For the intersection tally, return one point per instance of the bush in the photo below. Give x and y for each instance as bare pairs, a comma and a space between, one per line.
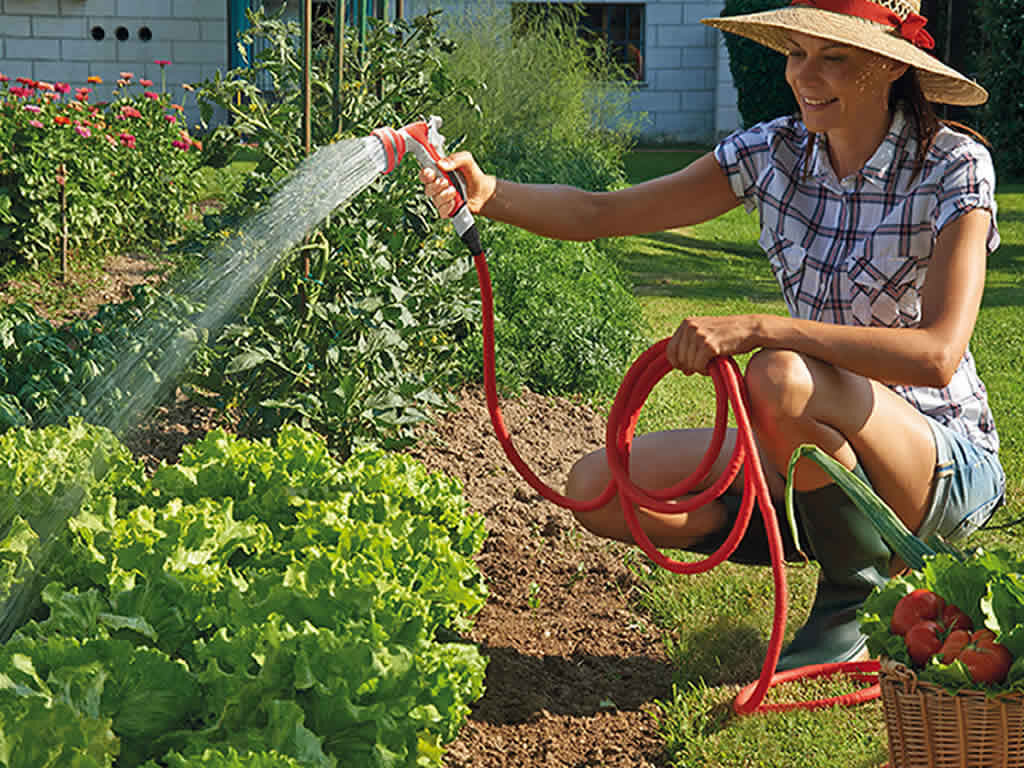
1001, 70
759, 73
550, 106
564, 321
130, 169
354, 335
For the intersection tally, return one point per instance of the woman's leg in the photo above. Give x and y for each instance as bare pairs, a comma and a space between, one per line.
796, 399
659, 460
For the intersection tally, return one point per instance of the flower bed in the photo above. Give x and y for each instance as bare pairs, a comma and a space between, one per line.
127, 167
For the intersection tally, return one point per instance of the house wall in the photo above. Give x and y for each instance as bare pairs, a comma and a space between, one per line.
688, 95
52, 40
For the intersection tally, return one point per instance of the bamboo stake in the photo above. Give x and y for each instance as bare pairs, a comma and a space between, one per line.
62, 181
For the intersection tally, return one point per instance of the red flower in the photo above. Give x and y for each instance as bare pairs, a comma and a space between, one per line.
61, 120
127, 140
153, 96
162, 62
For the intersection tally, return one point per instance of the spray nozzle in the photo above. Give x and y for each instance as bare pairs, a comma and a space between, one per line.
426, 143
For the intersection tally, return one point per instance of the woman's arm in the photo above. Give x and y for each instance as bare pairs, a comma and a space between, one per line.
923, 356
693, 194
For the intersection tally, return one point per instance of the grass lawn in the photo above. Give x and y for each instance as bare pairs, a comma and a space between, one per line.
716, 626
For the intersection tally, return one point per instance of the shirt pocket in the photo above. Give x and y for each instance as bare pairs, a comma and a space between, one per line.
884, 286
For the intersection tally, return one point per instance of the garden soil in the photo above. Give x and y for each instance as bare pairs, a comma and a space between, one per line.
574, 670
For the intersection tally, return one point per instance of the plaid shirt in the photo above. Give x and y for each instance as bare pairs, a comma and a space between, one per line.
855, 251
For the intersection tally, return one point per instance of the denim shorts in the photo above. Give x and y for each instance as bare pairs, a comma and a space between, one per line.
968, 486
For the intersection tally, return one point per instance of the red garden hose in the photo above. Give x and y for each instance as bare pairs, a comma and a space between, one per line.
641, 378
385, 148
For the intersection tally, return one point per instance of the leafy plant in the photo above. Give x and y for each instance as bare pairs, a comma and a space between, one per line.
1000, 59
759, 73
255, 604
548, 106
571, 296
355, 335
92, 367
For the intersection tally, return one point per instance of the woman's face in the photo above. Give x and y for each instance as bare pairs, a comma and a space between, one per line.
838, 87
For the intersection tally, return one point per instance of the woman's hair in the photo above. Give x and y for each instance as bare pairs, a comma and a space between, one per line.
927, 123
907, 89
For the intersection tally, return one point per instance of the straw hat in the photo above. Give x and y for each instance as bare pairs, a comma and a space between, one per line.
891, 28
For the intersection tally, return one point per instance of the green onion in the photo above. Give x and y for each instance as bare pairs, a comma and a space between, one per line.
905, 544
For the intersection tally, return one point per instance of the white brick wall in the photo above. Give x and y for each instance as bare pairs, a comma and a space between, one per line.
688, 94
53, 40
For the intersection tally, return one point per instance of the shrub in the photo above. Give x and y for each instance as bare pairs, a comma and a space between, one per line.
354, 335
550, 106
759, 73
130, 169
1001, 70
564, 321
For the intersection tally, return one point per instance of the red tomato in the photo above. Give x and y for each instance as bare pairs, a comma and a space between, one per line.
954, 618
924, 640
986, 660
919, 605
955, 643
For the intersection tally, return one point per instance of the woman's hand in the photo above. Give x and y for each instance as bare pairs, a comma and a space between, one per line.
698, 340
479, 186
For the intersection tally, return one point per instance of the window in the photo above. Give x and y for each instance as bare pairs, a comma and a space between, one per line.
619, 25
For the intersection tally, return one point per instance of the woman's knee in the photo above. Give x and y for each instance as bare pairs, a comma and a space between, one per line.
779, 384
588, 477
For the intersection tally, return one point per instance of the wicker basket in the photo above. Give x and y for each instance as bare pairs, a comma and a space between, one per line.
930, 728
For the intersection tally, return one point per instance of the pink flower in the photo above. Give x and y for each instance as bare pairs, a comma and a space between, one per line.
82, 131
182, 145
153, 96
162, 62
34, 108
170, 118
35, 123
130, 112
127, 75
63, 88
145, 83
19, 92
127, 140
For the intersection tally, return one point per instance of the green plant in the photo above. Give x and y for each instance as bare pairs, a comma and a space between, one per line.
355, 335
91, 367
758, 72
571, 296
128, 169
256, 603
550, 106
1000, 69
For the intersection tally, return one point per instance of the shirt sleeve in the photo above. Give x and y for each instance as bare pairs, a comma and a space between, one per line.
968, 184
743, 156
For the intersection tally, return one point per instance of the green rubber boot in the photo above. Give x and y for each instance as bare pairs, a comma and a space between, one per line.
854, 560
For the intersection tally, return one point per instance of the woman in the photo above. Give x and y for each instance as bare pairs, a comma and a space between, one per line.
877, 220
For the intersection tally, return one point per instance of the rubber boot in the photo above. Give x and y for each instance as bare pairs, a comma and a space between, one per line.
854, 560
